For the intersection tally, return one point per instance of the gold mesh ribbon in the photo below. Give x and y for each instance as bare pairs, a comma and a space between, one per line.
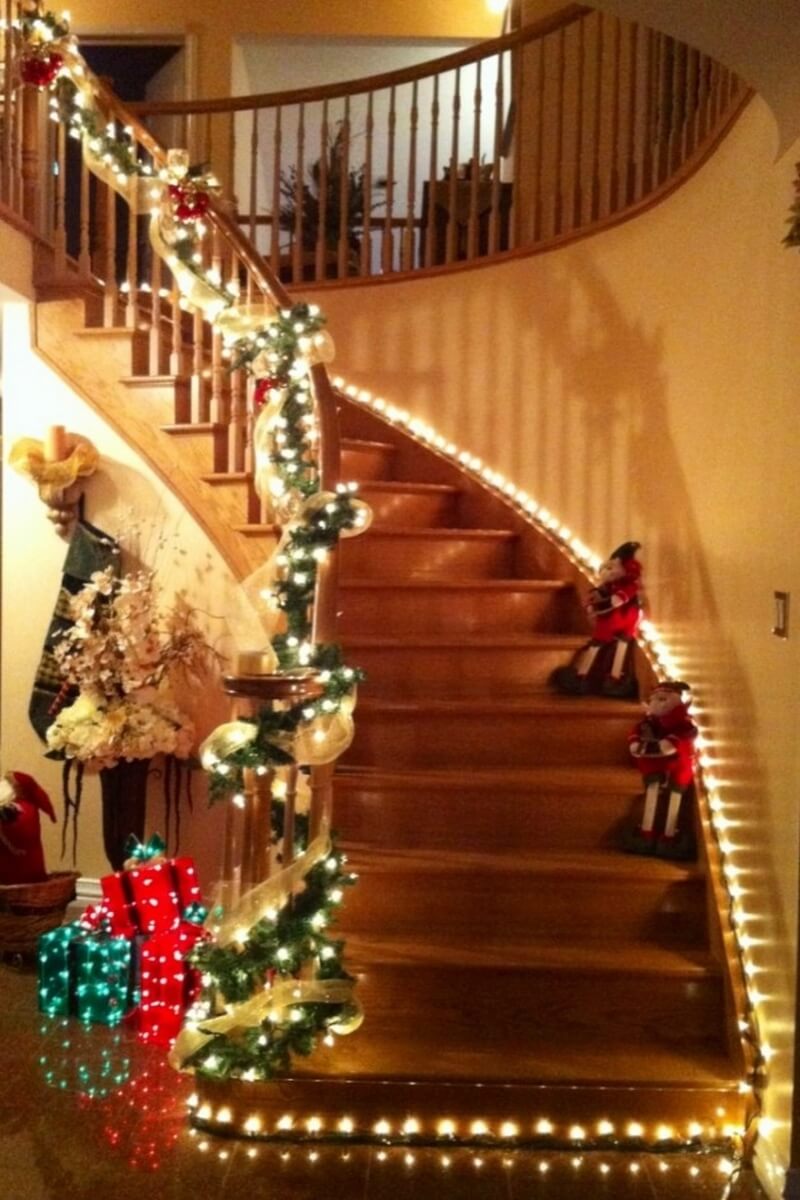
27, 458
273, 1002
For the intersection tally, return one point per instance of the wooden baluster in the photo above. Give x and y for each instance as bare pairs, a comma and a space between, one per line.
366, 238
616, 87
27, 127
595, 206
716, 72
474, 179
387, 256
452, 216
321, 799
206, 156
322, 232
219, 401
250, 816
558, 199
262, 828
299, 206
630, 156
538, 161
289, 817
649, 133
132, 269
343, 242
701, 116
84, 220
155, 315
677, 108
176, 365
60, 230
662, 141
494, 212
237, 436
229, 181
254, 177
692, 87
275, 238
200, 404
10, 103
111, 294
577, 166
411, 193
430, 216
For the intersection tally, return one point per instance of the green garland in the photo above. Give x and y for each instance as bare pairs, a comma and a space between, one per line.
277, 355
278, 946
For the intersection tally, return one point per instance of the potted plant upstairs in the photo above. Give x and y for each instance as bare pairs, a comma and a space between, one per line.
312, 208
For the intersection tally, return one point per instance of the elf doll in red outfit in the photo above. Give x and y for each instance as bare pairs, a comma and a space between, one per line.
605, 664
21, 854
662, 745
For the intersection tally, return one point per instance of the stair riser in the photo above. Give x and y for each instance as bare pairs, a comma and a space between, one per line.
491, 739
517, 905
464, 670
205, 452
236, 500
376, 556
406, 509
451, 819
373, 462
125, 352
536, 1005
453, 612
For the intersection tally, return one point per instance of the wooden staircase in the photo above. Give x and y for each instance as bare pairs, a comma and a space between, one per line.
514, 965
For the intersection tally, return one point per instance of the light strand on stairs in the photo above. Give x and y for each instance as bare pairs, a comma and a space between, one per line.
658, 654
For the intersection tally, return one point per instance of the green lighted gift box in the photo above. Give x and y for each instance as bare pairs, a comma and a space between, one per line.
86, 973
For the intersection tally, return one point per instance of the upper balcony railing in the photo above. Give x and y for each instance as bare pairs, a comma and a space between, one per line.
538, 135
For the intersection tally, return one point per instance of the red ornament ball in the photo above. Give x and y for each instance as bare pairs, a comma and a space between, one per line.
39, 70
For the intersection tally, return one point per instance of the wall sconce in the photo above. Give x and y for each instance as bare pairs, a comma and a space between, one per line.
56, 465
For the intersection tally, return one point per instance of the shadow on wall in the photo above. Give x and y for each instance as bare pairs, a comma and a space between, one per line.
573, 400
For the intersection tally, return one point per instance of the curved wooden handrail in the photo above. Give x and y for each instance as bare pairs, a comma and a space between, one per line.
324, 617
371, 83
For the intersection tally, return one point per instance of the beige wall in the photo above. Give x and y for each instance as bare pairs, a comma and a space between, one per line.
216, 25
124, 489
643, 383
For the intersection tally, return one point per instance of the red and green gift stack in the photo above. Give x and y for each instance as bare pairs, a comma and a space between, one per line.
130, 950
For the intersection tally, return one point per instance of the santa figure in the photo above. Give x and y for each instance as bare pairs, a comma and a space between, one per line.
662, 746
21, 854
605, 663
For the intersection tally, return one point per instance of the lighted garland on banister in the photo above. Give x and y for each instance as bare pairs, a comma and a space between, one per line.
269, 1013
277, 946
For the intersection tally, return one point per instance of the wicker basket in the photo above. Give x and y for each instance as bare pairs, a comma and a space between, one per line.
29, 909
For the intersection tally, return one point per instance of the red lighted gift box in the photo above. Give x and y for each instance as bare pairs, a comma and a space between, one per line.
168, 984
150, 898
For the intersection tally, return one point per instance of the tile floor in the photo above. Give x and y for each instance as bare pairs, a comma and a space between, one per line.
89, 1114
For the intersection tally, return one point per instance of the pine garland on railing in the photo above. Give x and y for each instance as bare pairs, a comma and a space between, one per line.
269, 1013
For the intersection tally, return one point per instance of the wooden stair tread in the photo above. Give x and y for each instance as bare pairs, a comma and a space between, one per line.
195, 427
220, 477
467, 641
493, 779
592, 957
407, 485
402, 1048
431, 583
597, 864
134, 381
439, 531
534, 705
364, 444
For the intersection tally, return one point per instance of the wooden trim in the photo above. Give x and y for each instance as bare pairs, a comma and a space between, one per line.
373, 83
662, 192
